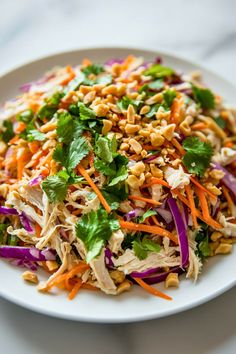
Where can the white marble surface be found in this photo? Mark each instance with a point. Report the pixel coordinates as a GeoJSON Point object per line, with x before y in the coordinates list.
{"type": "Point", "coordinates": [201, 30]}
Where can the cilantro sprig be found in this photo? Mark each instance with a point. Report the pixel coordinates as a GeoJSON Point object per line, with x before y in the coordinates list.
{"type": "Point", "coordinates": [95, 229]}
{"type": "Point", "coordinates": [198, 155]}
{"type": "Point", "coordinates": [204, 97]}
{"type": "Point", "coordinates": [142, 247]}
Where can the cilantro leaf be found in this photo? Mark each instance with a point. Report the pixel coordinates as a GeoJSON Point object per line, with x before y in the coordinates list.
{"type": "Point", "coordinates": [115, 194]}
{"type": "Point", "coordinates": [198, 155]}
{"type": "Point", "coordinates": [146, 215]}
{"type": "Point", "coordinates": [125, 101]}
{"type": "Point", "coordinates": [204, 97]}
{"type": "Point", "coordinates": [121, 172]}
{"type": "Point", "coordinates": [221, 122]}
{"type": "Point", "coordinates": [152, 87]}
{"type": "Point", "coordinates": [104, 80]}
{"type": "Point", "coordinates": [158, 71]}
{"type": "Point", "coordinates": [169, 96]}
{"type": "Point", "coordinates": [55, 188]}
{"type": "Point", "coordinates": [7, 131]}
{"type": "Point", "coordinates": [142, 247]}
{"type": "Point", "coordinates": [65, 127]}
{"type": "Point", "coordinates": [76, 82]}
{"type": "Point", "coordinates": [94, 229]}
{"type": "Point", "coordinates": [71, 155]}
{"type": "Point", "coordinates": [95, 69]}
{"type": "Point", "coordinates": [34, 134]}
{"type": "Point", "coordinates": [25, 116]}
{"type": "Point", "coordinates": [85, 112]}
{"type": "Point", "coordinates": [105, 149]}
{"type": "Point", "coordinates": [202, 240]}
{"type": "Point", "coordinates": [153, 110]}
{"type": "Point", "coordinates": [49, 109]}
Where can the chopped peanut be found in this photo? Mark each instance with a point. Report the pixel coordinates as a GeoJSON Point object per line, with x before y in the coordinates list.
{"type": "Point", "coordinates": [123, 287]}
{"type": "Point", "coordinates": [156, 139]}
{"type": "Point", "coordinates": [223, 248]}
{"type": "Point", "coordinates": [117, 276]}
{"type": "Point", "coordinates": [172, 280]}
{"type": "Point", "coordinates": [107, 125]}
{"type": "Point", "coordinates": [132, 128]}
{"type": "Point", "coordinates": [136, 146]}
{"type": "Point", "coordinates": [30, 277]}
{"type": "Point", "coordinates": [131, 114]}
{"type": "Point", "coordinates": [138, 168]}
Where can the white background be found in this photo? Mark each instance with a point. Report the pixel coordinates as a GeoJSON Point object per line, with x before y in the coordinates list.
{"type": "Point", "coordinates": [201, 30]}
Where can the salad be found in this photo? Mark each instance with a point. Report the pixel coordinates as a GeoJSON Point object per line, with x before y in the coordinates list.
{"type": "Point", "coordinates": [114, 175]}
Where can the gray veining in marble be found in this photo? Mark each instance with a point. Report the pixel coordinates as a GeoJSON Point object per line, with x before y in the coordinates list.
{"type": "Point", "coordinates": [201, 30]}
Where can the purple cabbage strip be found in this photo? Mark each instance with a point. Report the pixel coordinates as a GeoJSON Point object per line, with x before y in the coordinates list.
{"type": "Point", "coordinates": [228, 180]}
{"type": "Point", "coordinates": [145, 273]}
{"type": "Point", "coordinates": [112, 61]}
{"type": "Point", "coordinates": [35, 181]}
{"type": "Point", "coordinates": [27, 253]}
{"type": "Point", "coordinates": [133, 214]}
{"type": "Point", "coordinates": [108, 258]}
{"type": "Point", "coordinates": [23, 217]}
{"type": "Point", "coordinates": [23, 263]}
{"type": "Point", "coordinates": [151, 158]}
{"type": "Point", "coordinates": [25, 222]}
{"type": "Point", "coordinates": [162, 276]}
{"type": "Point", "coordinates": [181, 230]}
{"type": "Point", "coordinates": [8, 211]}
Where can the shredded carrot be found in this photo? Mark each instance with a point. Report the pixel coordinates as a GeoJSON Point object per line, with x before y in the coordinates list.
{"type": "Point", "coordinates": [152, 290]}
{"type": "Point", "coordinates": [205, 209]}
{"type": "Point", "coordinates": [229, 144]}
{"type": "Point", "coordinates": [14, 140]}
{"type": "Point", "coordinates": [79, 268]}
{"type": "Point", "coordinates": [199, 126]}
{"type": "Point", "coordinates": [175, 110]}
{"type": "Point", "coordinates": [21, 162]}
{"type": "Point", "coordinates": [146, 200]}
{"type": "Point", "coordinates": [20, 127]}
{"type": "Point", "coordinates": [192, 205]}
{"type": "Point", "coordinates": [154, 219]}
{"type": "Point", "coordinates": [155, 180]}
{"type": "Point", "coordinates": [95, 188]}
{"type": "Point", "coordinates": [210, 222]}
{"type": "Point", "coordinates": [75, 290]}
{"type": "Point", "coordinates": [178, 146]}
{"type": "Point", "coordinates": [150, 147]}
{"type": "Point", "coordinates": [86, 62]}
{"type": "Point", "coordinates": [89, 287]}
{"type": "Point", "coordinates": [45, 172]}
{"type": "Point", "coordinates": [146, 228]}
{"type": "Point", "coordinates": [33, 146]}
{"type": "Point", "coordinates": [38, 230]}
{"type": "Point", "coordinates": [228, 198]}
{"type": "Point", "coordinates": [204, 189]}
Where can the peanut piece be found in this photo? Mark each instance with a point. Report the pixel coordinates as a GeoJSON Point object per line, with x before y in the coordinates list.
{"type": "Point", "coordinates": [30, 277]}
{"type": "Point", "coordinates": [172, 280]}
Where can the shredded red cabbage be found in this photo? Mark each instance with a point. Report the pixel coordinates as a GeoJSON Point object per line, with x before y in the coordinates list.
{"type": "Point", "coordinates": [25, 222]}
{"type": "Point", "coordinates": [110, 62]}
{"type": "Point", "coordinates": [162, 276]}
{"type": "Point", "coordinates": [181, 230]}
{"type": "Point", "coordinates": [151, 158]}
{"type": "Point", "coordinates": [27, 253]}
{"type": "Point", "coordinates": [145, 273]}
{"type": "Point", "coordinates": [8, 211]}
{"type": "Point", "coordinates": [108, 258]}
{"type": "Point", "coordinates": [228, 180]}
{"type": "Point", "coordinates": [165, 214]}
{"type": "Point", "coordinates": [36, 181]}
{"type": "Point", "coordinates": [133, 214]}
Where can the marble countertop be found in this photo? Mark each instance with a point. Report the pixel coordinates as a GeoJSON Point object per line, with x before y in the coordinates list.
{"type": "Point", "coordinates": [200, 30]}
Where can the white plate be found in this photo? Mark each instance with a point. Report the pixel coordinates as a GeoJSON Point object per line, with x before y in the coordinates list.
{"type": "Point", "coordinates": [219, 274]}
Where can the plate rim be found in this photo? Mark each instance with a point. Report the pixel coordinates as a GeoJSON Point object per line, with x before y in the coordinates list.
{"type": "Point", "coordinates": [134, 318]}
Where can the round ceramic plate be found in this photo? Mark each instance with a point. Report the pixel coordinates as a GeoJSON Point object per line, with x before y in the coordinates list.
{"type": "Point", "coordinates": [219, 274]}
